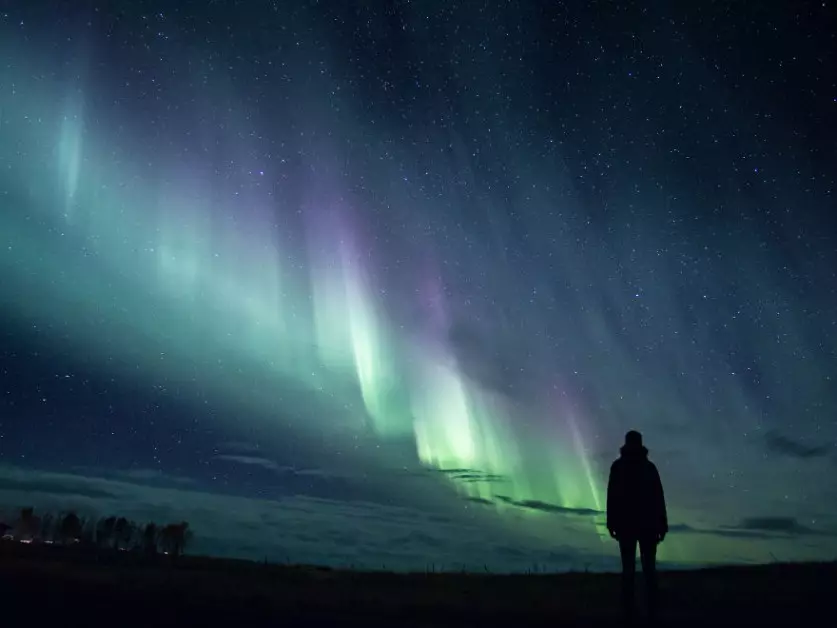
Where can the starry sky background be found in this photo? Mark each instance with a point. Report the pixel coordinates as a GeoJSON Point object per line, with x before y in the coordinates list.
{"type": "Point", "coordinates": [384, 284]}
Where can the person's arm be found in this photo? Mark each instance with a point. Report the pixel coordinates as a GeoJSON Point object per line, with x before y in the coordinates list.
{"type": "Point", "coordinates": [662, 515]}
{"type": "Point", "coordinates": [612, 516]}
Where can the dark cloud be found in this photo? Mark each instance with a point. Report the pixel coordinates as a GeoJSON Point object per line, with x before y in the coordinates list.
{"type": "Point", "coordinates": [785, 525]}
{"type": "Point", "coordinates": [480, 500]}
{"type": "Point", "coordinates": [417, 539]}
{"type": "Point", "coordinates": [81, 489]}
{"type": "Point", "coordinates": [152, 475]}
{"type": "Point", "coordinates": [142, 475]}
{"type": "Point", "coordinates": [781, 444]}
{"type": "Point", "coordinates": [271, 465]}
{"type": "Point", "coordinates": [473, 475]}
{"type": "Point", "coordinates": [508, 550]}
{"type": "Point", "coordinates": [682, 528]}
{"type": "Point", "coordinates": [740, 534]}
{"type": "Point", "coordinates": [240, 447]}
{"type": "Point", "coordinates": [480, 477]}
{"type": "Point", "coordinates": [255, 461]}
{"type": "Point", "coordinates": [302, 471]}
{"type": "Point", "coordinates": [756, 528]}
{"type": "Point", "coordinates": [533, 504]}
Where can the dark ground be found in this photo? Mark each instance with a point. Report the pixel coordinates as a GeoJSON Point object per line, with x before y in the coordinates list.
{"type": "Point", "coordinates": [69, 587]}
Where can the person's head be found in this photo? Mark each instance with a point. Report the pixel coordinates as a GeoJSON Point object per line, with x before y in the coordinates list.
{"type": "Point", "coordinates": [633, 444]}
{"type": "Point", "coordinates": [633, 440]}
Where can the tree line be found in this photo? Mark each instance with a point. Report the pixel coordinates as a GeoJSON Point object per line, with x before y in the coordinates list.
{"type": "Point", "coordinates": [112, 532]}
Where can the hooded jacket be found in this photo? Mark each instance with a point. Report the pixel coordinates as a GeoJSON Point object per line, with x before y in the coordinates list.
{"type": "Point", "coordinates": [636, 505]}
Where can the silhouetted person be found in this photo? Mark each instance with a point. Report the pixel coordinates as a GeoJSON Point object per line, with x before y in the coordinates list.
{"type": "Point", "coordinates": [636, 514]}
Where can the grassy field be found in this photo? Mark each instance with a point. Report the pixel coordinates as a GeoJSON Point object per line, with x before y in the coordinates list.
{"type": "Point", "coordinates": [49, 583]}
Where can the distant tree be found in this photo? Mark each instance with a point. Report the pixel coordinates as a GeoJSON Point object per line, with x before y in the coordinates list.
{"type": "Point", "coordinates": [128, 533]}
{"type": "Point", "coordinates": [70, 528]}
{"type": "Point", "coordinates": [47, 531]}
{"type": "Point", "coordinates": [105, 531]}
{"type": "Point", "coordinates": [175, 536]}
{"type": "Point", "coordinates": [150, 537]}
{"type": "Point", "coordinates": [166, 539]}
{"type": "Point", "coordinates": [112, 531]}
{"type": "Point", "coordinates": [28, 524]}
{"type": "Point", "coordinates": [119, 532]}
{"type": "Point", "coordinates": [88, 532]}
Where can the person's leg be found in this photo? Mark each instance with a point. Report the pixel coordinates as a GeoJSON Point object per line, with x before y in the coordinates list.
{"type": "Point", "coordinates": [627, 549]}
{"type": "Point", "coordinates": [648, 556]}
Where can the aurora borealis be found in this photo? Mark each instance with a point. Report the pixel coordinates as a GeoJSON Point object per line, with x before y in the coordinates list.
{"type": "Point", "coordinates": [428, 259]}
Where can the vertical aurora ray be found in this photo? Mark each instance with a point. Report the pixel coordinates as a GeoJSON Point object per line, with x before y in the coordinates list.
{"type": "Point", "coordinates": [350, 331]}
{"type": "Point", "coordinates": [594, 483]}
{"type": "Point", "coordinates": [375, 370]}
{"type": "Point", "coordinates": [499, 454]}
{"type": "Point", "coordinates": [70, 153]}
{"type": "Point", "coordinates": [584, 460]}
{"type": "Point", "coordinates": [329, 300]}
{"type": "Point", "coordinates": [440, 407]}
{"type": "Point", "coordinates": [575, 476]}
{"type": "Point", "coordinates": [443, 425]}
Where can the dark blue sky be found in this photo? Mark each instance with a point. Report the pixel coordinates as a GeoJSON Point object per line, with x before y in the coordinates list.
{"type": "Point", "coordinates": [421, 263]}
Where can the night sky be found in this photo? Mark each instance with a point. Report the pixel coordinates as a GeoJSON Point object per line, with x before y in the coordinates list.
{"type": "Point", "coordinates": [385, 283]}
